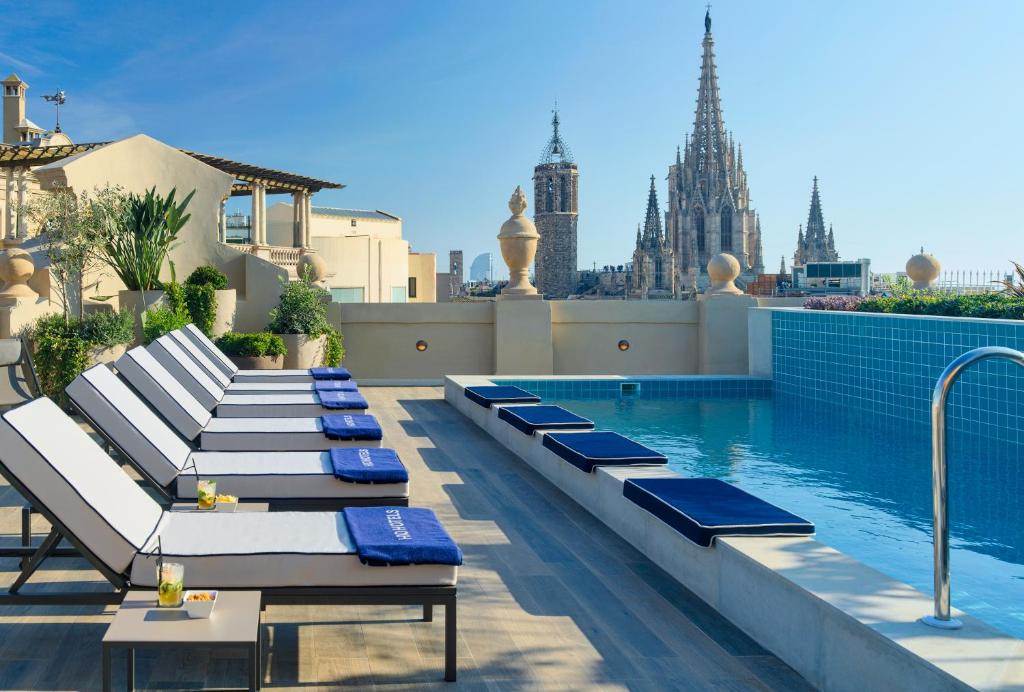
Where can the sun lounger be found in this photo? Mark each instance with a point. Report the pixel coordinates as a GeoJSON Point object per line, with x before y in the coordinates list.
{"type": "Point", "coordinates": [291, 557]}
{"type": "Point", "coordinates": [214, 397]}
{"type": "Point", "coordinates": [295, 480]}
{"type": "Point", "coordinates": [587, 450]}
{"type": "Point", "coordinates": [229, 370]}
{"type": "Point", "coordinates": [530, 419]}
{"type": "Point", "coordinates": [487, 395]}
{"type": "Point", "coordinates": [702, 509]}
{"type": "Point", "coordinates": [188, 418]}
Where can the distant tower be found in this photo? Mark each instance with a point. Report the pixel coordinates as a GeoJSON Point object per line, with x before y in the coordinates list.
{"type": "Point", "coordinates": [708, 199]}
{"type": "Point", "coordinates": [815, 245]}
{"type": "Point", "coordinates": [455, 272]}
{"type": "Point", "coordinates": [555, 212]}
{"type": "Point", "coordinates": [654, 269]}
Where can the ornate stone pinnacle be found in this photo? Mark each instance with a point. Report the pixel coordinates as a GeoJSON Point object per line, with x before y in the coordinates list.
{"type": "Point", "coordinates": [517, 203]}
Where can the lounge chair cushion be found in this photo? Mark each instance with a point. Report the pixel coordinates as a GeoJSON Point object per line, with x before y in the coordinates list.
{"type": "Point", "coordinates": [214, 354]}
{"type": "Point", "coordinates": [282, 434]}
{"type": "Point", "coordinates": [163, 393]}
{"type": "Point", "coordinates": [702, 509]}
{"type": "Point", "coordinates": [73, 478]}
{"type": "Point", "coordinates": [529, 419]}
{"type": "Point", "coordinates": [118, 413]}
{"type": "Point", "coordinates": [487, 395]}
{"type": "Point", "coordinates": [351, 426]}
{"type": "Point", "coordinates": [293, 405]}
{"type": "Point", "coordinates": [185, 370]}
{"type": "Point", "coordinates": [300, 376]}
{"type": "Point", "coordinates": [260, 550]}
{"type": "Point", "coordinates": [343, 400]}
{"type": "Point", "coordinates": [585, 450]}
{"type": "Point", "coordinates": [280, 475]}
{"type": "Point", "coordinates": [335, 386]}
{"type": "Point", "coordinates": [270, 388]}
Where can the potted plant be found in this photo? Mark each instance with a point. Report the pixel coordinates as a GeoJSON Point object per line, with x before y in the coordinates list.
{"type": "Point", "coordinates": [301, 321]}
{"type": "Point", "coordinates": [259, 351]}
{"type": "Point", "coordinates": [210, 302]}
{"type": "Point", "coordinates": [137, 244]}
{"type": "Point", "coordinates": [169, 314]}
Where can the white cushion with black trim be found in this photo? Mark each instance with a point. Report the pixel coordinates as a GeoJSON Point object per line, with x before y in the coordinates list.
{"type": "Point", "coordinates": [284, 475]}
{"type": "Point", "coordinates": [272, 405]}
{"type": "Point", "coordinates": [274, 549]}
{"type": "Point", "coordinates": [72, 477]}
{"type": "Point", "coordinates": [271, 434]}
{"type": "Point", "coordinates": [194, 378]}
{"type": "Point", "coordinates": [164, 393]}
{"type": "Point", "coordinates": [116, 412]}
{"type": "Point", "coordinates": [293, 376]}
{"type": "Point", "coordinates": [214, 354]}
{"type": "Point", "coordinates": [271, 388]}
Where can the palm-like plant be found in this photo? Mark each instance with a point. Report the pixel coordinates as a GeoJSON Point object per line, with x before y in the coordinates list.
{"type": "Point", "coordinates": [1014, 288]}
{"type": "Point", "coordinates": [137, 246]}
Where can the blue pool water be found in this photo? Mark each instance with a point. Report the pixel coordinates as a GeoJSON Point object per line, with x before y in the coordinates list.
{"type": "Point", "coordinates": [865, 481]}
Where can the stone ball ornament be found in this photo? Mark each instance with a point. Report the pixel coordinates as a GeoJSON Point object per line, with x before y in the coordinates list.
{"type": "Point", "coordinates": [16, 268]}
{"type": "Point", "coordinates": [317, 267]}
{"type": "Point", "coordinates": [518, 239]}
{"type": "Point", "coordinates": [723, 270]}
{"type": "Point", "coordinates": [923, 269]}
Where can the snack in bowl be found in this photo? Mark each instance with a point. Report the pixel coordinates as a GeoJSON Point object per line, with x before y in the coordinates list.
{"type": "Point", "coordinates": [199, 604]}
{"type": "Point", "coordinates": [226, 503]}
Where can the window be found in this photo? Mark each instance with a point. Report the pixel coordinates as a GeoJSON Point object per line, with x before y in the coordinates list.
{"type": "Point", "coordinates": [549, 202]}
{"type": "Point", "coordinates": [564, 193]}
{"type": "Point", "coordinates": [412, 286]}
{"type": "Point", "coordinates": [348, 295]}
{"type": "Point", "coordinates": [353, 222]}
{"type": "Point", "coordinates": [398, 294]}
{"type": "Point", "coordinates": [698, 227]}
{"type": "Point", "coordinates": [727, 230]}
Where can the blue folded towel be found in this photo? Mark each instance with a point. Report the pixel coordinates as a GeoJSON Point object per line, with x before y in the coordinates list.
{"type": "Point", "coordinates": [378, 465]}
{"type": "Point", "coordinates": [335, 386]}
{"type": "Point", "coordinates": [400, 536]}
{"type": "Point", "coordinates": [330, 374]}
{"type": "Point", "coordinates": [351, 426]}
{"type": "Point", "coordinates": [342, 400]}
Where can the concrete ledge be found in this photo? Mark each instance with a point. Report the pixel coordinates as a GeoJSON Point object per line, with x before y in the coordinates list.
{"type": "Point", "coordinates": [839, 623]}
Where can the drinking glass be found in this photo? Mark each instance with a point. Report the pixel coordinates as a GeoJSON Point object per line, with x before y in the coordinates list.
{"type": "Point", "coordinates": [206, 491]}
{"type": "Point", "coordinates": [170, 584]}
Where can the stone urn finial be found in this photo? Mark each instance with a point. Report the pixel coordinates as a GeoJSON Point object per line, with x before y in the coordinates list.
{"type": "Point", "coordinates": [923, 269]}
{"type": "Point", "coordinates": [16, 268]}
{"type": "Point", "coordinates": [723, 269]}
{"type": "Point", "coordinates": [518, 240]}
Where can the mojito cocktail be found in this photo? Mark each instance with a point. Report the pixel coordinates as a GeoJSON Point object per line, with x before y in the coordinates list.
{"type": "Point", "coordinates": [206, 491]}
{"type": "Point", "coordinates": [170, 584]}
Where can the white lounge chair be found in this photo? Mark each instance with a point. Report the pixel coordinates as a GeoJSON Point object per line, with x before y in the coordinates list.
{"type": "Point", "coordinates": [291, 557]}
{"type": "Point", "coordinates": [224, 365]}
{"type": "Point", "coordinates": [285, 480]}
{"type": "Point", "coordinates": [214, 397]}
{"type": "Point", "coordinates": [186, 415]}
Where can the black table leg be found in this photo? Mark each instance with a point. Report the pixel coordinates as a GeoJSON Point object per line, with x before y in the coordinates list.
{"type": "Point", "coordinates": [106, 668]}
{"type": "Point", "coordinates": [253, 668]}
{"type": "Point", "coordinates": [130, 653]}
{"type": "Point", "coordinates": [450, 643]}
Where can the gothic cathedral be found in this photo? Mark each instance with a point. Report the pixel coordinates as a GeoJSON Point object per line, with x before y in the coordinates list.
{"type": "Point", "coordinates": [815, 245]}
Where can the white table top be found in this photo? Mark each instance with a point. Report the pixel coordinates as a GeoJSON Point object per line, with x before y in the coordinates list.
{"type": "Point", "coordinates": [138, 621]}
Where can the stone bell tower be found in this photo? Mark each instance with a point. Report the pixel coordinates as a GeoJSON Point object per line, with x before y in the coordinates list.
{"type": "Point", "coordinates": [555, 211]}
{"type": "Point", "coordinates": [14, 108]}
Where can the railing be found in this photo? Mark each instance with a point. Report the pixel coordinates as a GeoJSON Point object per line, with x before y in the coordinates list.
{"type": "Point", "coordinates": [940, 491]}
{"type": "Point", "coordinates": [285, 256]}
{"type": "Point", "coordinates": [970, 281]}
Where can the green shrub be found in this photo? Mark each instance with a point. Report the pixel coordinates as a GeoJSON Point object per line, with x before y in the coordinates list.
{"type": "Point", "coordinates": [251, 345]}
{"type": "Point", "coordinates": [108, 328]}
{"type": "Point", "coordinates": [303, 310]}
{"type": "Point", "coordinates": [201, 304]}
{"type": "Point", "coordinates": [991, 305]}
{"type": "Point", "coordinates": [163, 319]}
{"type": "Point", "coordinates": [207, 276]}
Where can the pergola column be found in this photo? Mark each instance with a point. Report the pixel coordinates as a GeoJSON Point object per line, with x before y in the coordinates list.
{"type": "Point", "coordinates": [307, 214]}
{"type": "Point", "coordinates": [22, 230]}
{"type": "Point", "coordinates": [9, 222]}
{"type": "Point", "coordinates": [258, 221]}
{"type": "Point", "coordinates": [298, 223]}
{"type": "Point", "coordinates": [222, 222]}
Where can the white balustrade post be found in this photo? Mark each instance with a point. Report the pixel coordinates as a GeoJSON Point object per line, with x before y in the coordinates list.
{"type": "Point", "coordinates": [22, 230]}
{"type": "Point", "coordinates": [307, 218]}
{"type": "Point", "coordinates": [9, 204]}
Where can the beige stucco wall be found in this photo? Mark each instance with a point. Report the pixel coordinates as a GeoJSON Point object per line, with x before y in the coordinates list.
{"type": "Point", "coordinates": [279, 225]}
{"type": "Point", "coordinates": [662, 337]}
{"type": "Point", "coordinates": [423, 268]}
{"type": "Point", "coordinates": [380, 340]}
{"type": "Point", "coordinates": [374, 264]}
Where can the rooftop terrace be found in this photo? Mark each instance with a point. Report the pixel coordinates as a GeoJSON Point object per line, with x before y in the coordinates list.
{"type": "Point", "coordinates": [549, 597]}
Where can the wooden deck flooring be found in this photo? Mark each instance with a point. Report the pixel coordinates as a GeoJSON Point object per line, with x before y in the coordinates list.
{"type": "Point", "coordinates": [549, 598]}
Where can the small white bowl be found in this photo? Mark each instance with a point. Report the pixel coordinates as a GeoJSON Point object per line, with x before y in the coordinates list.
{"type": "Point", "coordinates": [226, 506]}
{"type": "Point", "coordinates": [199, 609]}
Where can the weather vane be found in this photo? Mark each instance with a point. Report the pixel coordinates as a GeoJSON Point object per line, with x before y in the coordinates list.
{"type": "Point", "coordinates": [57, 100]}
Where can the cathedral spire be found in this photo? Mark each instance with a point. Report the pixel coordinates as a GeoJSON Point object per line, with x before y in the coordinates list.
{"type": "Point", "coordinates": [652, 222]}
{"type": "Point", "coordinates": [710, 141]}
{"type": "Point", "coordinates": [556, 150]}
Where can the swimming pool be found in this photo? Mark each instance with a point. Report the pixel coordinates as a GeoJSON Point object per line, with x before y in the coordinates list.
{"type": "Point", "coordinates": [865, 481]}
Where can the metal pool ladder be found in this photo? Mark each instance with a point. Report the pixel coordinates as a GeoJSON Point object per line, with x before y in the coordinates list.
{"type": "Point", "coordinates": [940, 495]}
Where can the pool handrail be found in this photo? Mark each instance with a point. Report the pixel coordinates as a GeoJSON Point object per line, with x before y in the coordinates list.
{"type": "Point", "coordinates": [940, 494]}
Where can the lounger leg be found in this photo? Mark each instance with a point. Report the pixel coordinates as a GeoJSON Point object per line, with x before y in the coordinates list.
{"type": "Point", "coordinates": [449, 641]}
{"type": "Point", "coordinates": [106, 668]}
{"type": "Point", "coordinates": [130, 655]}
{"type": "Point", "coordinates": [428, 612]}
{"type": "Point", "coordinates": [32, 563]}
{"type": "Point", "coordinates": [26, 525]}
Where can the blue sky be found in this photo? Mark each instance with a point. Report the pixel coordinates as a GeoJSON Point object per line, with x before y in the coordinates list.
{"type": "Point", "coordinates": [910, 113]}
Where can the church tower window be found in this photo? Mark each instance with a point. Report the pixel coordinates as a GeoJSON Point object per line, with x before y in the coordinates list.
{"type": "Point", "coordinates": [727, 229]}
{"type": "Point", "coordinates": [549, 201]}
{"type": "Point", "coordinates": [698, 227]}
{"type": "Point", "coordinates": [563, 194]}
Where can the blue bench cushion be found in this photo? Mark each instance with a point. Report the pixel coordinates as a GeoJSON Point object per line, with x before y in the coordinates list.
{"type": "Point", "coordinates": [589, 449]}
{"type": "Point", "coordinates": [485, 396]}
{"type": "Point", "coordinates": [338, 373]}
{"type": "Point", "coordinates": [704, 508]}
{"type": "Point", "coordinates": [342, 400]}
{"type": "Point", "coordinates": [351, 426]}
{"type": "Point", "coordinates": [527, 419]}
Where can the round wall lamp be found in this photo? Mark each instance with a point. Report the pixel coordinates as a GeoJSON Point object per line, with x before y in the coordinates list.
{"type": "Point", "coordinates": [623, 345]}
{"type": "Point", "coordinates": [421, 345]}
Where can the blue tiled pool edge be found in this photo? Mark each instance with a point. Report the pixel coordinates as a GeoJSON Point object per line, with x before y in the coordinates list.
{"type": "Point", "coordinates": [646, 387]}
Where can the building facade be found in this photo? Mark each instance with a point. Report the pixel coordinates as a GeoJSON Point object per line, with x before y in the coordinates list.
{"type": "Point", "coordinates": [815, 245]}
{"type": "Point", "coordinates": [654, 262]}
{"type": "Point", "coordinates": [555, 213]}
{"type": "Point", "coordinates": [709, 201]}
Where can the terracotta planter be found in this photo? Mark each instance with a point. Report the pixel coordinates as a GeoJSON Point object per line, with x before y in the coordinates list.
{"type": "Point", "coordinates": [258, 362]}
{"type": "Point", "coordinates": [138, 302]}
{"type": "Point", "coordinates": [106, 354]}
{"type": "Point", "coordinates": [303, 352]}
{"type": "Point", "coordinates": [224, 317]}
